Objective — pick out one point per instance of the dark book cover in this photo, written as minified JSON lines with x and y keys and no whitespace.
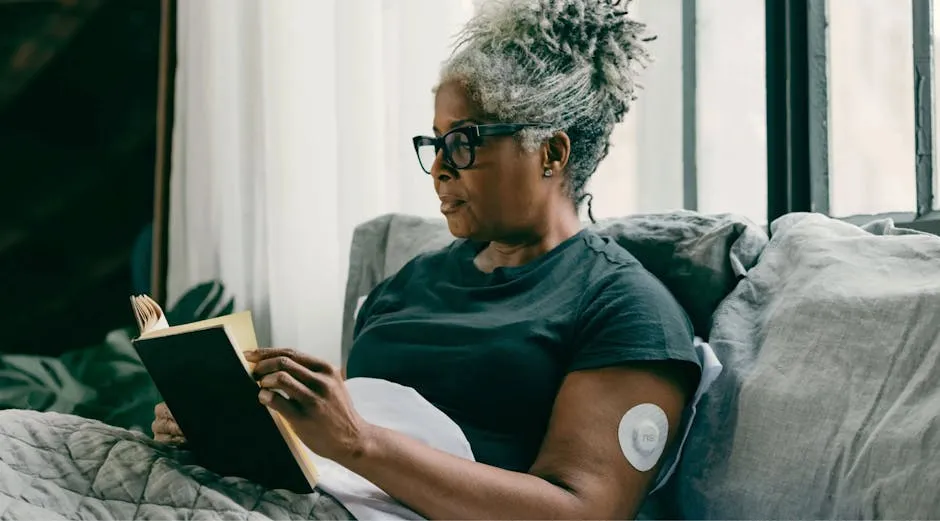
{"x":215,"y":402}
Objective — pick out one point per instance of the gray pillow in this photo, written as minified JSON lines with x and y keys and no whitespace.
{"x":698,"y":257}
{"x":828,"y":406}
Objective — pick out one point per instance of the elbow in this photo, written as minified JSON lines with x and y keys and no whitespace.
{"x":574,"y":503}
{"x":571,"y":503}
{"x":575,"y":507}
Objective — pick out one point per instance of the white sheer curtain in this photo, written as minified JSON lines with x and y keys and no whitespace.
{"x":292,"y":125}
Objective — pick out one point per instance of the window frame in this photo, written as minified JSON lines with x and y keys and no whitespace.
{"x":797,"y":75}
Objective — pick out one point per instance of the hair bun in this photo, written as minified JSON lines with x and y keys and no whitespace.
{"x":570,"y":35}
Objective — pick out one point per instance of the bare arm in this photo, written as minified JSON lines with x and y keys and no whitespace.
{"x":580,"y":472}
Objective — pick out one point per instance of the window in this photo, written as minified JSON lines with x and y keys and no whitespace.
{"x":765,"y":108}
{"x":871,"y":101}
{"x":853,"y":135}
{"x":643,"y":171}
{"x":696,"y":137}
{"x":935,"y":62}
{"x":730,"y":107}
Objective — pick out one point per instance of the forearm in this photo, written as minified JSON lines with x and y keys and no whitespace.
{"x":441,"y":486}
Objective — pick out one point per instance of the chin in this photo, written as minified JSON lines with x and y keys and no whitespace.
{"x":472,"y":231}
{"x":458,"y":227}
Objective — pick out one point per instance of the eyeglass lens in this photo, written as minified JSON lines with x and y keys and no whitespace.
{"x":457,"y":151}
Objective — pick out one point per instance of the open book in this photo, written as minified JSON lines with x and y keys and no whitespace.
{"x":202,"y":374}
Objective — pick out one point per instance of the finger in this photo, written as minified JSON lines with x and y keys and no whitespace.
{"x":166,"y":427}
{"x":161,"y":411}
{"x":310,"y":362}
{"x":286,"y":408}
{"x":170,"y":440}
{"x":284,"y":364}
{"x":172,"y":428}
{"x":160,"y":432}
{"x":294,"y":389}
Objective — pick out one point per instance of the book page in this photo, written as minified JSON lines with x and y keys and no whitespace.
{"x":150,"y":316}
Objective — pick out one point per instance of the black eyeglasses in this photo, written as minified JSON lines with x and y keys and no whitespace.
{"x":460,"y":145}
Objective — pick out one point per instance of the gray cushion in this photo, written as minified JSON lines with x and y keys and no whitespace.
{"x":828,"y":406}
{"x":699,"y":257}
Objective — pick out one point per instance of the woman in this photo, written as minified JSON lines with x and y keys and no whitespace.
{"x":535,"y":335}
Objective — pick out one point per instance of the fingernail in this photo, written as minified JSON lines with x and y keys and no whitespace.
{"x":265,"y":396}
{"x":251,"y":354}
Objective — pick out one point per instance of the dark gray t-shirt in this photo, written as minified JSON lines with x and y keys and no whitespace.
{"x":491,"y":349}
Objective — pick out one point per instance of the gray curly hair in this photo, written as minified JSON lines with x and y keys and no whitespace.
{"x":568,"y":64}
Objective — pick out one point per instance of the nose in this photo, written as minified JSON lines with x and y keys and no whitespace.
{"x":440,"y":170}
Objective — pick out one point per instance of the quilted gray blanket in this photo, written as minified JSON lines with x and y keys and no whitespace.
{"x":56,"y":466}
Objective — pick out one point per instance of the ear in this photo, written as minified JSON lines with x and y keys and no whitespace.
{"x":556,"y":152}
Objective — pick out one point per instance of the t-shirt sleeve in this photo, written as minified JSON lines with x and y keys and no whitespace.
{"x":630,"y":316}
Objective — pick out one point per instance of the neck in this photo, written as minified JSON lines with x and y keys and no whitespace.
{"x":521,"y":250}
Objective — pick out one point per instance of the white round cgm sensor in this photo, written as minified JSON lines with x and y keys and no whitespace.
{"x":642,"y":433}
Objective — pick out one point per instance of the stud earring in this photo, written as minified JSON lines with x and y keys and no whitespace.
{"x":548,"y":172}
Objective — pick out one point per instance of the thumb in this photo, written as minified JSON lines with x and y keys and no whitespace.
{"x":287,"y":408}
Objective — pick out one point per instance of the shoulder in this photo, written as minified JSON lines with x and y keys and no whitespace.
{"x":627,"y":314}
{"x":607,"y":249}
{"x":421,"y":266}
{"x":616,"y":269}
{"x":613,"y":270}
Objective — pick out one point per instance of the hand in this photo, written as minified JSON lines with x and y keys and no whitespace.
{"x":319,"y":407}
{"x":165,"y":429}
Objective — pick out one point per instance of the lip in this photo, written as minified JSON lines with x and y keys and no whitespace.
{"x":450,"y":204}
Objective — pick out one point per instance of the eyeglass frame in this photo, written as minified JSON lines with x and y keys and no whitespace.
{"x":474,"y":134}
